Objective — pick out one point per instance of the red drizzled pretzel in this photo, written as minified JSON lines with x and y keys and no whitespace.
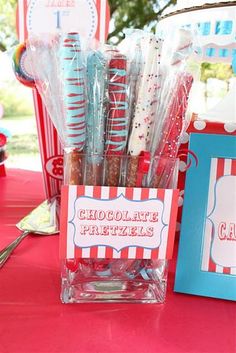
{"x":117,"y":124}
{"x":74,"y":101}
{"x":168,"y":149}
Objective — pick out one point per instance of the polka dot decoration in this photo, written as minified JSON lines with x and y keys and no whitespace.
{"x":199,"y":125}
{"x":230,"y":127}
{"x":182,"y":166}
{"x":184,"y":138}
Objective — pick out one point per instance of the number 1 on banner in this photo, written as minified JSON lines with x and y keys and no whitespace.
{"x":58,"y":19}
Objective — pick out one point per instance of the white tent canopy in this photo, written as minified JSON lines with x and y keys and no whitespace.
{"x":225,"y":110}
{"x":187,"y":4}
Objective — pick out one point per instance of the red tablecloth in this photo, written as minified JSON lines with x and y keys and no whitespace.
{"x":32,"y":319}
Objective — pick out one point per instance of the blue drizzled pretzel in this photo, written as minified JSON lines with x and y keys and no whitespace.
{"x":73,"y":78}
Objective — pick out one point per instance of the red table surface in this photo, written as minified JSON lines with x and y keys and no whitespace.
{"x":32,"y":318}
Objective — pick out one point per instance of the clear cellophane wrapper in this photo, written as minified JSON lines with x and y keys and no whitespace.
{"x":126,"y":275}
{"x":91,"y":93}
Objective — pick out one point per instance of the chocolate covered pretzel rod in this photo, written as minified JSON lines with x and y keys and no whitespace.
{"x":73,"y":78}
{"x":145,"y":105}
{"x":95,"y":118}
{"x":168,"y":149}
{"x":117,"y":122}
{"x":73,"y":167}
{"x":172,"y":120}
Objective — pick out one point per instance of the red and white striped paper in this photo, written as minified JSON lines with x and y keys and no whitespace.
{"x":70,"y":194}
{"x":50,"y":147}
{"x":219,"y":167}
{"x":200,"y":127}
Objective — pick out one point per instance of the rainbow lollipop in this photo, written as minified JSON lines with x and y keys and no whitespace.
{"x":21,"y":66}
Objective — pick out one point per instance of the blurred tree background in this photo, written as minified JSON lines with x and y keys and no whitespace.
{"x":125,"y":14}
{"x":17,"y":99}
{"x":135,"y":14}
{"x":7,"y":24}
{"x":217,"y":70}
{"x":13,"y":104}
{"x":142,"y":14}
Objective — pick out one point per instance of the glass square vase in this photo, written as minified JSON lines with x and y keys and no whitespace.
{"x":114,"y":280}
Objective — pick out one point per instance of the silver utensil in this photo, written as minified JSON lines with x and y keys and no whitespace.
{"x":43,"y":220}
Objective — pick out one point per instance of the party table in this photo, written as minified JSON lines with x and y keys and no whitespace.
{"x":33,"y":320}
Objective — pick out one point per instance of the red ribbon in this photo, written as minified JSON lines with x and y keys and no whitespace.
{"x":3,"y":140}
{"x":184,"y":153}
{"x":143,"y":166}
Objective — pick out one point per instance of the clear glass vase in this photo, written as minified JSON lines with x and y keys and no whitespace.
{"x":116,"y":280}
{"x":88,"y":280}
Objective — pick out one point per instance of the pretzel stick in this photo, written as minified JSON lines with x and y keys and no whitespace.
{"x":73,"y":77}
{"x":117,"y":124}
{"x":172,"y":120}
{"x":73,"y":166}
{"x":145,"y":106}
{"x":95,"y":119}
{"x":168,"y":149}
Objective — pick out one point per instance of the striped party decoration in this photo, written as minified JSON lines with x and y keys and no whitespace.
{"x":219,"y":167}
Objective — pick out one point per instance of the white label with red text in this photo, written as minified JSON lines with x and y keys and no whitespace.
{"x":117,"y":222}
{"x":219,"y":246}
{"x":224,"y":221}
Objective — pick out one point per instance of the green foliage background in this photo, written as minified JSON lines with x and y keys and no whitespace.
{"x":124,"y":14}
{"x":16,"y":99}
{"x":135,"y":14}
{"x":7,"y":24}
{"x":218,"y":70}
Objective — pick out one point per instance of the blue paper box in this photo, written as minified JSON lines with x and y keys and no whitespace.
{"x":207,"y":250}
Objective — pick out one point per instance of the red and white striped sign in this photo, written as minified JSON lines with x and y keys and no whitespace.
{"x":219,"y":247}
{"x":93,"y":226}
{"x":51,"y":151}
{"x":199,"y":127}
{"x":59,"y":14}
